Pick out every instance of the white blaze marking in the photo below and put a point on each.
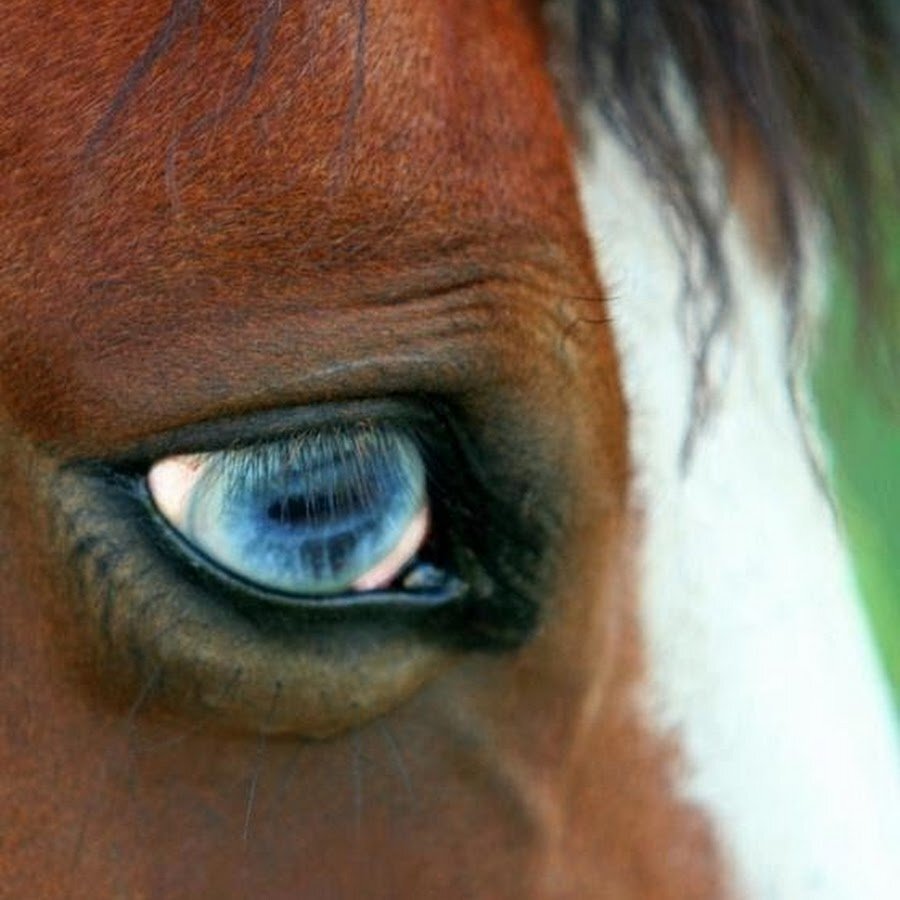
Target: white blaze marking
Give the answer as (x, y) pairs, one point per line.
(760, 662)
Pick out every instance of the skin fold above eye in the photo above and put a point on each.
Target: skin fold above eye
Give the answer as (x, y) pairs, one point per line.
(322, 513)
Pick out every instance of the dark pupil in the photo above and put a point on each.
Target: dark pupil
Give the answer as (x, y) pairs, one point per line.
(316, 509)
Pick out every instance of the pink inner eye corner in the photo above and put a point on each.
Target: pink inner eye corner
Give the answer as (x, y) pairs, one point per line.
(170, 482)
(386, 570)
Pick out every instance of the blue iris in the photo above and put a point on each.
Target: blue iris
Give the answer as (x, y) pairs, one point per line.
(311, 514)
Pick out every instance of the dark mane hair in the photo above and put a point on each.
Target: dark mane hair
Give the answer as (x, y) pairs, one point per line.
(815, 84)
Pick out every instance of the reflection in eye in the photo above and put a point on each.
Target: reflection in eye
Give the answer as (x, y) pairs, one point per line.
(333, 511)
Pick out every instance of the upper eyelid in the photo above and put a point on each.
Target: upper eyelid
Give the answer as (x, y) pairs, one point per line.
(269, 425)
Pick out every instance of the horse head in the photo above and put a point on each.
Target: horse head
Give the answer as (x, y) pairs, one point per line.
(403, 489)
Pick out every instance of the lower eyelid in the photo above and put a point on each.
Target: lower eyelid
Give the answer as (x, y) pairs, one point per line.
(164, 639)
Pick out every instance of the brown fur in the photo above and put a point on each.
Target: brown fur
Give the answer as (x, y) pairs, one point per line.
(298, 247)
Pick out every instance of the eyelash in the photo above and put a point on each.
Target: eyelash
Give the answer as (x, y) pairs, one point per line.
(496, 549)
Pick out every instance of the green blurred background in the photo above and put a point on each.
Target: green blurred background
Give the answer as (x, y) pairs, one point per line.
(861, 416)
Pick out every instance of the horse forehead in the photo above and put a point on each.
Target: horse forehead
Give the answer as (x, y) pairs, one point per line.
(411, 113)
(244, 156)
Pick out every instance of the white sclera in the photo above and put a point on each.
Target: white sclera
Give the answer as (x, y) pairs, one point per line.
(384, 572)
(170, 482)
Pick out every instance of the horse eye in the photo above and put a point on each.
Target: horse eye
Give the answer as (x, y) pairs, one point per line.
(318, 516)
